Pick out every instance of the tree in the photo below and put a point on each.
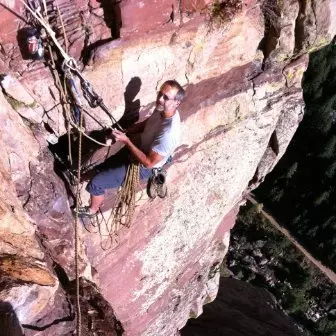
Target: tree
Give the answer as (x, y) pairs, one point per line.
(330, 148)
(292, 170)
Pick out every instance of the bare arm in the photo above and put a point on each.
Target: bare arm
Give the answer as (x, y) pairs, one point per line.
(137, 128)
(148, 161)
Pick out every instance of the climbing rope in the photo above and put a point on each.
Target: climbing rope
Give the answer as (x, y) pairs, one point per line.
(125, 202)
(123, 209)
(78, 310)
(69, 63)
(63, 95)
(36, 13)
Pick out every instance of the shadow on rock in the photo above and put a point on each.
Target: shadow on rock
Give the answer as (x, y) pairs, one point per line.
(9, 323)
(132, 106)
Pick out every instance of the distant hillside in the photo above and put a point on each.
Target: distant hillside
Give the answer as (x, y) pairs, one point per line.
(301, 191)
(280, 293)
(263, 256)
(241, 309)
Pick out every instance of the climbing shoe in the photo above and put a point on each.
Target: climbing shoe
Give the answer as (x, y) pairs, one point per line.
(83, 212)
(162, 190)
(161, 186)
(156, 185)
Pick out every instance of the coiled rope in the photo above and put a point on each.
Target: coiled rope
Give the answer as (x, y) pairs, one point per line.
(122, 212)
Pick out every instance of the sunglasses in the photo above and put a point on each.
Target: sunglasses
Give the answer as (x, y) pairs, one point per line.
(164, 96)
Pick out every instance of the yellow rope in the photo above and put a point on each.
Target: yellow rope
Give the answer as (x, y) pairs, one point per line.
(63, 29)
(132, 177)
(78, 310)
(123, 210)
(125, 203)
(63, 94)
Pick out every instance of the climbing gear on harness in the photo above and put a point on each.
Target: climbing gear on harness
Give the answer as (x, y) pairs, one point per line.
(75, 95)
(84, 212)
(70, 63)
(156, 185)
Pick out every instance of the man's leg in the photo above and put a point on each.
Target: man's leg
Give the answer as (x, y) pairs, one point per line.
(110, 178)
(95, 203)
(145, 173)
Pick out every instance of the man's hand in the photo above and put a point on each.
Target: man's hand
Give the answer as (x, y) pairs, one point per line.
(120, 136)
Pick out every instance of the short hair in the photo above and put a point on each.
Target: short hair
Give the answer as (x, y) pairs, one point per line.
(174, 84)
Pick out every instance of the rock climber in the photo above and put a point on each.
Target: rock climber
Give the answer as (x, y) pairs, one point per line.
(160, 136)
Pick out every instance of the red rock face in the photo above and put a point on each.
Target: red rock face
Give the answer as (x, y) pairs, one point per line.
(195, 6)
(142, 17)
(146, 307)
(9, 20)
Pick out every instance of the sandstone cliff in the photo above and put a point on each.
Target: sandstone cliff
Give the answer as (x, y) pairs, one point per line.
(242, 73)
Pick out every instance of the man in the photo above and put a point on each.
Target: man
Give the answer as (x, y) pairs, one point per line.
(160, 135)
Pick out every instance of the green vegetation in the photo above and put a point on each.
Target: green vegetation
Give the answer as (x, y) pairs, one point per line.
(15, 104)
(263, 256)
(301, 191)
(223, 11)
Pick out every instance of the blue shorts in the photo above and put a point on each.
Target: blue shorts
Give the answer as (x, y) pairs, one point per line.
(112, 174)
